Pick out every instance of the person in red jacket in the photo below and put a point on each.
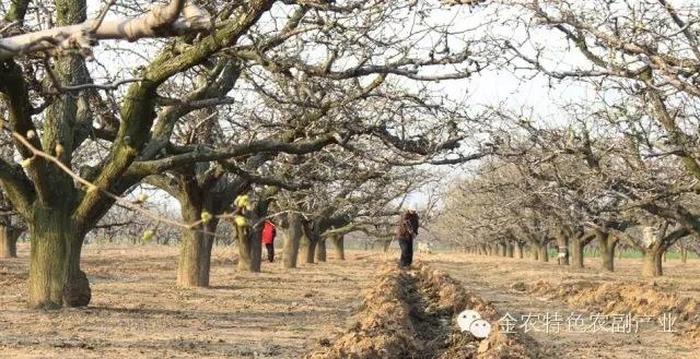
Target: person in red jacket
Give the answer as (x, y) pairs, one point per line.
(269, 232)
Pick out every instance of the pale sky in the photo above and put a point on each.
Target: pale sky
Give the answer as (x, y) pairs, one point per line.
(491, 87)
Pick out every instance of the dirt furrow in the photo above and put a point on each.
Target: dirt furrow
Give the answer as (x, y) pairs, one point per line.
(502, 284)
(411, 314)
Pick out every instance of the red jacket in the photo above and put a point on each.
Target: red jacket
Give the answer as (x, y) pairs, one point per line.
(269, 232)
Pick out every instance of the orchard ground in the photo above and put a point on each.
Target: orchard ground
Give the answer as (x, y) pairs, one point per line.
(137, 311)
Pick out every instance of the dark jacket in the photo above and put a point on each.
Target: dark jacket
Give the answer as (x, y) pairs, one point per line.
(407, 227)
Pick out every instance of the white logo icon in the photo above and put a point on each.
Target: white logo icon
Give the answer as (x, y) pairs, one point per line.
(470, 321)
(465, 319)
(480, 328)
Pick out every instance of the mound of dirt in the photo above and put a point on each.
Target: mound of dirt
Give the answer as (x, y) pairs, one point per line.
(619, 298)
(411, 314)
(637, 299)
(383, 328)
(452, 295)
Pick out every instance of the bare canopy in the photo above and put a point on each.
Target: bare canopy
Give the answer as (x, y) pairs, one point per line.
(175, 18)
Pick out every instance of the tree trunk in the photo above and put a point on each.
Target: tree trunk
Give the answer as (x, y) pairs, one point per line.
(535, 251)
(684, 254)
(652, 262)
(260, 212)
(308, 242)
(543, 254)
(519, 250)
(194, 263)
(255, 240)
(291, 240)
(8, 242)
(577, 245)
(502, 249)
(509, 250)
(339, 245)
(608, 259)
(55, 278)
(562, 249)
(195, 257)
(243, 238)
(606, 245)
(308, 250)
(321, 250)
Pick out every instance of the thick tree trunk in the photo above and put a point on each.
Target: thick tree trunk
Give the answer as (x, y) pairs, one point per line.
(577, 245)
(502, 249)
(652, 262)
(243, 239)
(195, 257)
(194, 262)
(606, 245)
(308, 249)
(55, 278)
(509, 250)
(607, 257)
(310, 253)
(255, 241)
(76, 290)
(339, 246)
(260, 212)
(321, 250)
(291, 240)
(8, 242)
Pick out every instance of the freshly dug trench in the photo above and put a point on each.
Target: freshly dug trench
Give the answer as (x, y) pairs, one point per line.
(452, 296)
(411, 314)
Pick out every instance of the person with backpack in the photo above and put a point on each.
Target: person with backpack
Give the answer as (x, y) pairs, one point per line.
(406, 232)
(269, 231)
